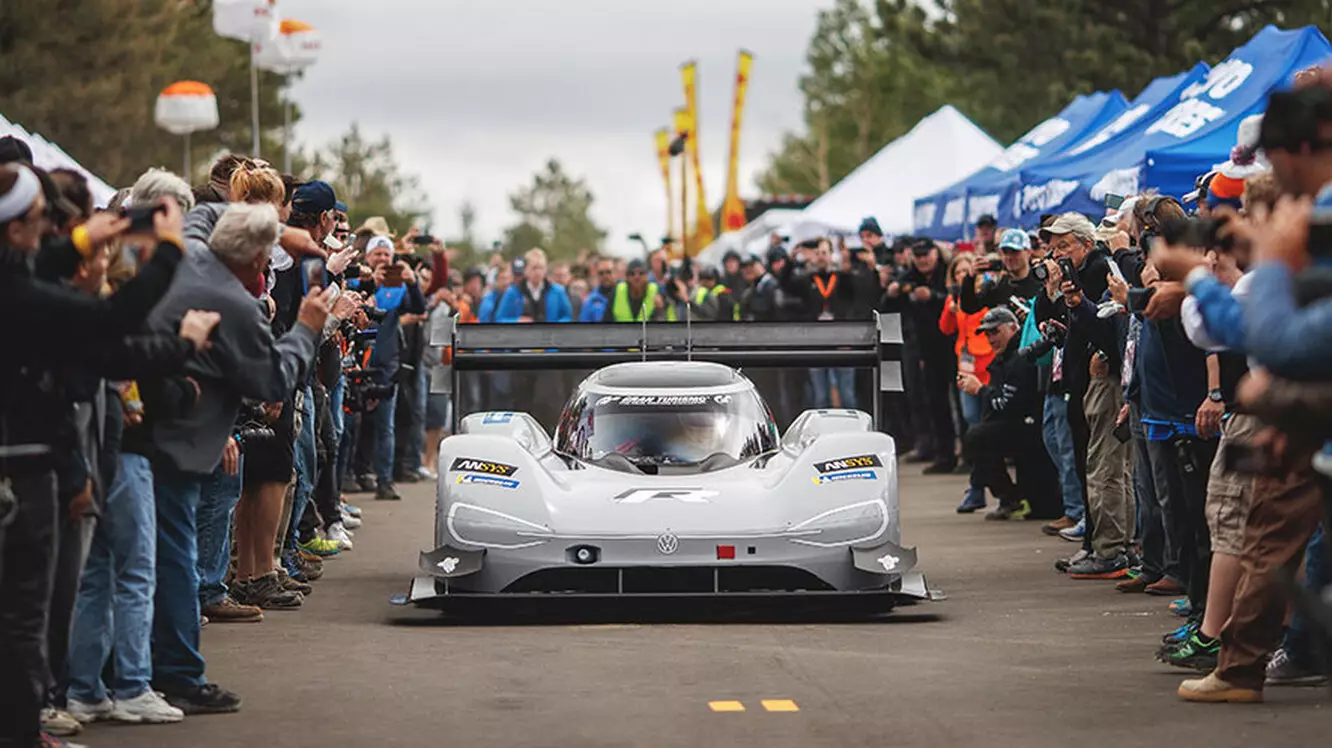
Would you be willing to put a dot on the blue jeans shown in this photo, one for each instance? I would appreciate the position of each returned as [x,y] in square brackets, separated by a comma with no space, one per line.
[1301,643]
[971,407]
[176,657]
[823,381]
[383,416]
[114,610]
[305,463]
[217,506]
[1059,443]
[411,462]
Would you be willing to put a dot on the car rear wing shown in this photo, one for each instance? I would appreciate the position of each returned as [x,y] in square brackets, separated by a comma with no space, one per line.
[874,344]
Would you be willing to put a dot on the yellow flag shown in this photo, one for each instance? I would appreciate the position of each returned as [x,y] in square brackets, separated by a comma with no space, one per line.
[664,157]
[704,231]
[684,125]
[733,209]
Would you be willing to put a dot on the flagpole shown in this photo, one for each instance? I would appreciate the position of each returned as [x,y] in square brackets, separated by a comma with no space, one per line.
[186,172]
[286,134]
[254,102]
[684,203]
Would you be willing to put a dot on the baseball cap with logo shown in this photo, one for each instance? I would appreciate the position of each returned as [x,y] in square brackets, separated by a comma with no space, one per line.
[314,197]
[1015,240]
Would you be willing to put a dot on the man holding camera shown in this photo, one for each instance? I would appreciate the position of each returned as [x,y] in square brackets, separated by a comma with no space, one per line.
[1010,410]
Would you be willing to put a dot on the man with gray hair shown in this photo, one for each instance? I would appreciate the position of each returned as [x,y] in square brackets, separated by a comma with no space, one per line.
[222,272]
[156,183]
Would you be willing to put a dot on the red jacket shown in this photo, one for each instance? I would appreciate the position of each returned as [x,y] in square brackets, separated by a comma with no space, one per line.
[954,321]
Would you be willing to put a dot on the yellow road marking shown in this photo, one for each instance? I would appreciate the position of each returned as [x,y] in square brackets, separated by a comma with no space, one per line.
[726,706]
[780,705]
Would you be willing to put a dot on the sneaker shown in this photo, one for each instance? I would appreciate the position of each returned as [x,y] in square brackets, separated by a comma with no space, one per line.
[209,698]
[149,708]
[1165,587]
[412,477]
[1006,511]
[1283,671]
[311,569]
[60,723]
[307,557]
[361,484]
[1063,523]
[1213,690]
[426,473]
[349,522]
[320,546]
[1064,564]
[1196,653]
[386,492]
[354,511]
[940,467]
[47,740]
[230,611]
[293,585]
[974,500]
[86,713]
[1181,607]
[1076,533]
[267,593]
[1096,567]
[338,534]
[1181,634]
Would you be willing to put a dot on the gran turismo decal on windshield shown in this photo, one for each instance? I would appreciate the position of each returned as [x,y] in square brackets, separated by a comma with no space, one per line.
[670,401]
[845,475]
[848,463]
[470,465]
[487,480]
[686,495]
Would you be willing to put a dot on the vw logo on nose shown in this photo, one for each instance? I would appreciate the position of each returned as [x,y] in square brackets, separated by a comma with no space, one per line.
[667,543]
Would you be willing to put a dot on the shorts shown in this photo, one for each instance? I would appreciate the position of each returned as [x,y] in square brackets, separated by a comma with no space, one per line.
[437,412]
[272,460]
[1228,494]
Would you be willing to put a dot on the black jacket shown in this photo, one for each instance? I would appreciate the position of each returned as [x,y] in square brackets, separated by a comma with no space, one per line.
[850,293]
[60,329]
[1025,288]
[924,315]
[1011,396]
[1078,347]
[759,302]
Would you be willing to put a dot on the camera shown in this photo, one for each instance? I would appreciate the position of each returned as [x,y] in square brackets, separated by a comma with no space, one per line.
[374,314]
[1039,271]
[1203,233]
[1051,338]
[362,390]
[1069,272]
[141,218]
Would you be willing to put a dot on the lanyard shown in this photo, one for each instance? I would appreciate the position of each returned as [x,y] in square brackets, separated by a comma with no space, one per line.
[826,290]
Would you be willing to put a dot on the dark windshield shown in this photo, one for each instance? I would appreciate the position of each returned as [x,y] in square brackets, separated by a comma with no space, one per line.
[666,430]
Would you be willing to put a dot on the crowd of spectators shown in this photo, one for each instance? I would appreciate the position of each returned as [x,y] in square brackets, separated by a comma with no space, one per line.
[205,373]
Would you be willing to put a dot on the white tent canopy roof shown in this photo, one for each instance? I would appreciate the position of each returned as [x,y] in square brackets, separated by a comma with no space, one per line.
[753,237]
[940,150]
[49,156]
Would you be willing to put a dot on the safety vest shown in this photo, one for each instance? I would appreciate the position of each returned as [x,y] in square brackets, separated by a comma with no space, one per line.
[620,306]
[701,295]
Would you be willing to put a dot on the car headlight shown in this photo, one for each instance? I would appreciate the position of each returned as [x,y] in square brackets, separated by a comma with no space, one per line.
[844,526]
[470,524]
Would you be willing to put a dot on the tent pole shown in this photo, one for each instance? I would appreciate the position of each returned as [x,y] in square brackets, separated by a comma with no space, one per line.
[254,102]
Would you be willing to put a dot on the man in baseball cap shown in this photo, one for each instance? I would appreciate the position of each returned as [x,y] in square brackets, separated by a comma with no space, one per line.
[314,198]
[1010,417]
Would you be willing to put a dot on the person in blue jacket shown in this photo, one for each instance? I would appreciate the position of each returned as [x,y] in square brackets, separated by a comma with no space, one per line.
[534,298]
[485,311]
[594,306]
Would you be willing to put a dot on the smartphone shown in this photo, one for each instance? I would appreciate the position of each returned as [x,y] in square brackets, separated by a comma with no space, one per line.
[1123,432]
[1069,272]
[393,276]
[1138,299]
[1113,201]
[423,240]
[141,219]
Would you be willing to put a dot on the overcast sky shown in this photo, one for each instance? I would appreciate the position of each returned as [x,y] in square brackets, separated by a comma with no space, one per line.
[477,94]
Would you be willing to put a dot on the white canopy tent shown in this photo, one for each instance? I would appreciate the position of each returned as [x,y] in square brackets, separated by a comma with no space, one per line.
[940,150]
[49,156]
[753,237]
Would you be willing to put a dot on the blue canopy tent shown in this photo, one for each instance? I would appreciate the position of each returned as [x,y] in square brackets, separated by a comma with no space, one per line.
[945,215]
[1173,169]
[1201,107]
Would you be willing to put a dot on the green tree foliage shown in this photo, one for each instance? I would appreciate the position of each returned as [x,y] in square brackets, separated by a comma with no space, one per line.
[366,177]
[86,73]
[554,213]
[875,67]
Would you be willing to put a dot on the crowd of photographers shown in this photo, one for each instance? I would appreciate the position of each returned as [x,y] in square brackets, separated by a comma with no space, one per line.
[201,374]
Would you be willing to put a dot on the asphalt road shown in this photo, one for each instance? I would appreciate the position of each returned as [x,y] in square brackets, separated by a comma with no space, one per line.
[1017,656]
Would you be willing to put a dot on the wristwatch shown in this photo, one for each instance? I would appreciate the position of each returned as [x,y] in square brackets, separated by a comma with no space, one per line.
[1215,396]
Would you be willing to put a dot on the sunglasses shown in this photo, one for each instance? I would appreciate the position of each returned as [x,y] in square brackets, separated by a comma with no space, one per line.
[605,271]
[636,273]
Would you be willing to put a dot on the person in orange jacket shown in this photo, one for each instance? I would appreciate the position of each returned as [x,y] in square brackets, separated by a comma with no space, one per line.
[974,354]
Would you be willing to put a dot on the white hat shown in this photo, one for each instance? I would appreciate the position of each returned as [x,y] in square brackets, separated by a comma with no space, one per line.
[1246,160]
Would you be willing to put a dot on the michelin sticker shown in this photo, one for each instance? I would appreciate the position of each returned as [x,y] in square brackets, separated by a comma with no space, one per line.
[487,480]
[845,475]
[497,418]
